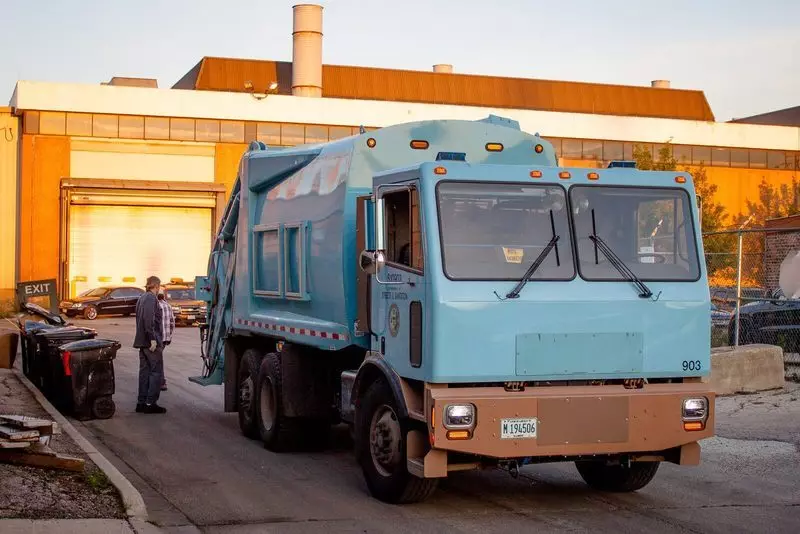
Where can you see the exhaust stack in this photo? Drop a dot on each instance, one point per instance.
(307, 50)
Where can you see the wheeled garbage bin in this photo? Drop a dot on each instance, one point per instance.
(46, 369)
(88, 368)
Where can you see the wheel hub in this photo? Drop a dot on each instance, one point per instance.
(246, 393)
(385, 440)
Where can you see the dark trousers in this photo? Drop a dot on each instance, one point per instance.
(151, 372)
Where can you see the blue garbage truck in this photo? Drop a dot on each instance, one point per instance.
(461, 301)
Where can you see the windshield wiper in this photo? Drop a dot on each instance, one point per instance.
(616, 261)
(552, 244)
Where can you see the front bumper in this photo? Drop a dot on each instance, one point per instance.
(572, 421)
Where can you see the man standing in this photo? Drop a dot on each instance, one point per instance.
(167, 327)
(151, 346)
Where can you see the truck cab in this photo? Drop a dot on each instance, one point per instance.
(465, 302)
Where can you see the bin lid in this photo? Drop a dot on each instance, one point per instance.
(90, 344)
(65, 332)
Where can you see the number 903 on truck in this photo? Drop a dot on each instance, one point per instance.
(461, 302)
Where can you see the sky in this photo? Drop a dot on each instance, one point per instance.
(744, 55)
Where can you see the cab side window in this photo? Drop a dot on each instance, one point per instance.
(403, 230)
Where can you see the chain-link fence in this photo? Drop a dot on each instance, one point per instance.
(747, 303)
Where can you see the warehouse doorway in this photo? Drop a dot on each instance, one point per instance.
(122, 236)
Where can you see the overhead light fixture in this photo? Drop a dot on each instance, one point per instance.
(272, 89)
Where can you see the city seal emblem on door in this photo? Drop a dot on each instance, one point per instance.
(394, 319)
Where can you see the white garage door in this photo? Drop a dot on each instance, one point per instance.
(126, 244)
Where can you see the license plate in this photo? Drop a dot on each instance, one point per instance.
(190, 317)
(524, 428)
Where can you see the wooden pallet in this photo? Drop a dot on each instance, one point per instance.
(25, 440)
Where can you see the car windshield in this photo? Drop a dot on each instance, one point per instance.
(97, 292)
(494, 231)
(650, 229)
(180, 294)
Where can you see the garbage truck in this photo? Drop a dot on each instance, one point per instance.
(461, 301)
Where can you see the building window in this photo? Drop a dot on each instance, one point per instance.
(292, 134)
(571, 148)
(79, 124)
(682, 154)
(105, 126)
(339, 132)
(31, 122)
(250, 132)
(231, 132)
(207, 130)
(269, 133)
(776, 160)
(52, 122)
(701, 155)
(758, 159)
(316, 134)
(593, 150)
(721, 157)
(739, 157)
(156, 128)
(181, 129)
(131, 127)
(627, 149)
(612, 151)
(266, 261)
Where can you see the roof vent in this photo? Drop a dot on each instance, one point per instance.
(152, 83)
(660, 84)
(443, 67)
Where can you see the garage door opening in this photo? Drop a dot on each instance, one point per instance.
(109, 245)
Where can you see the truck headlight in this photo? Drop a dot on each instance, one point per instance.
(459, 416)
(694, 413)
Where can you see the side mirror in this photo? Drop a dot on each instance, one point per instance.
(372, 261)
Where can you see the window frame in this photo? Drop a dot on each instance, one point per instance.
(259, 229)
(570, 230)
(408, 188)
(691, 218)
(302, 260)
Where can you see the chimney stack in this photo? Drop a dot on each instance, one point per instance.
(660, 84)
(307, 50)
(443, 67)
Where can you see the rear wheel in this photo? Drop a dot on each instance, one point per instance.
(90, 313)
(103, 407)
(276, 430)
(617, 478)
(381, 436)
(248, 378)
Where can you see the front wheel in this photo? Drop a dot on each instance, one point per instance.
(381, 436)
(90, 313)
(617, 478)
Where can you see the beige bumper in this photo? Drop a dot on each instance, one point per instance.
(571, 421)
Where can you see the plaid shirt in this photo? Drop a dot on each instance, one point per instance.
(167, 320)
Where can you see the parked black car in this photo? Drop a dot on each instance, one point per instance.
(774, 321)
(108, 300)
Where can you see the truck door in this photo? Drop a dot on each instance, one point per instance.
(398, 290)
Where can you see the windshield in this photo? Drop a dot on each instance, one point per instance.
(494, 231)
(97, 292)
(180, 294)
(649, 229)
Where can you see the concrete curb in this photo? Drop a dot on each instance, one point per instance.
(131, 498)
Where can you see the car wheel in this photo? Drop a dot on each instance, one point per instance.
(90, 313)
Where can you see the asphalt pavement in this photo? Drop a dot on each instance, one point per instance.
(197, 472)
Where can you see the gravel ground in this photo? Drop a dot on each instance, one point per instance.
(36, 493)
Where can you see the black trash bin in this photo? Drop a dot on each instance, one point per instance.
(44, 365)
(88, 368)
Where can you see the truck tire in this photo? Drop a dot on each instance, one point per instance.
(276, 430)
(617, 478)
(246, 391)
(381, 436)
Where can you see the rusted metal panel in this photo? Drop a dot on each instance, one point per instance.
(366, 83)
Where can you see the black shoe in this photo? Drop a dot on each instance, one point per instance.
(154, 408)
(140, 408)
